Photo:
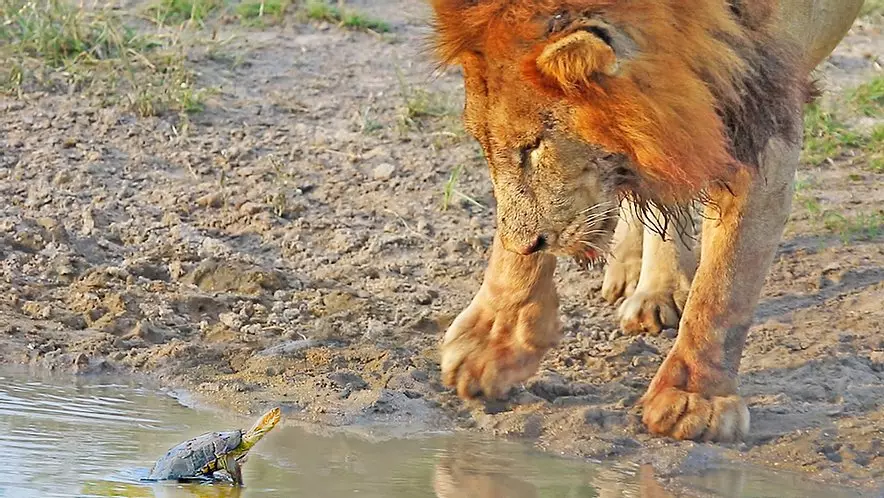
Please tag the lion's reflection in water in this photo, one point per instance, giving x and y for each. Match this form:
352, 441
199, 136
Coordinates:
465, 472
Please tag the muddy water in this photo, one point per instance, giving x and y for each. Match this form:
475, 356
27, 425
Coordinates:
96, 437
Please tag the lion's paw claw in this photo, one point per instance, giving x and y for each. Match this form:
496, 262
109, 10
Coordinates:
484, 354
684, 415
621, 278
650, 312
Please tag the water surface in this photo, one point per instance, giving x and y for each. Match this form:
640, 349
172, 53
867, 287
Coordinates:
90, 437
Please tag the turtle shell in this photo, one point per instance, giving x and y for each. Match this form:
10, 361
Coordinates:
196, 457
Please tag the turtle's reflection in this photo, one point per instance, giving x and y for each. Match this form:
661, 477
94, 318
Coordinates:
160, 490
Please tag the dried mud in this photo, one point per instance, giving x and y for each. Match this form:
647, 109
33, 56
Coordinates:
290, 248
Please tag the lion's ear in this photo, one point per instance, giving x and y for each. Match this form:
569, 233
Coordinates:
575, 59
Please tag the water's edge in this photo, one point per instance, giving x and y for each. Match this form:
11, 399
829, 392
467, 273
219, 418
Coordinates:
687, 469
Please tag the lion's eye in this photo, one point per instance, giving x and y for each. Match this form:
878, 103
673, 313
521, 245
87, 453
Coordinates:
525, 153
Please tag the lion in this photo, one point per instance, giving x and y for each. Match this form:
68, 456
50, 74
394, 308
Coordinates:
602, 123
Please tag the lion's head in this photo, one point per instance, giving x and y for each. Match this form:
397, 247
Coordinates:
579, 102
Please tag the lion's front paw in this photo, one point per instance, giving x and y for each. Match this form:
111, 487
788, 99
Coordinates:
488, 352
683, 415
651, 312
694, 401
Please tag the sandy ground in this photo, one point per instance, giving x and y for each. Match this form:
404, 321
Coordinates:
290, 247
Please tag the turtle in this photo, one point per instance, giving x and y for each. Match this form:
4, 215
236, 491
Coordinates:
199, 459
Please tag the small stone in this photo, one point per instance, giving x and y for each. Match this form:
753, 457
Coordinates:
80, 360
424, 298
249, 208
288, 347
231, 320
252, 329
383, 171
614, 334
37, 310
145, 331
56, 230
213, 200
88, 222
344, 379
176, 269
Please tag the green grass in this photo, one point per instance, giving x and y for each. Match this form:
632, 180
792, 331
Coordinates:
51, 45
876, 147
826, 136
849, 228
450, 191
61, 35
419, 104
863, 226
872, 7
366, 123
850, 128
166, 12
321, 10
259, 11
849, 125
868, 98
450, 187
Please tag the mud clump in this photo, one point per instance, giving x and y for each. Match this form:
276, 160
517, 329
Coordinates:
226, 276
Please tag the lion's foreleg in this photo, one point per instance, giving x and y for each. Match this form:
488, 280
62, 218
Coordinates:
500, 338
694, 394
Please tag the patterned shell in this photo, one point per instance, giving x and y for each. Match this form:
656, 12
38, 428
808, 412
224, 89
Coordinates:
195, 458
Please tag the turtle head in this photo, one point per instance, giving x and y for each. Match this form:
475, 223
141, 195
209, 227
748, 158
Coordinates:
264, 424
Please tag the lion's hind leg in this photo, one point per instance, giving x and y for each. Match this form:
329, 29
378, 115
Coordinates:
624, 265
667, 268
651, 273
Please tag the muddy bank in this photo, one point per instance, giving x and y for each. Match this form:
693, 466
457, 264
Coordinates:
290, 246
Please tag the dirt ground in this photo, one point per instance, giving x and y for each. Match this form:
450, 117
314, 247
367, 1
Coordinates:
290, 246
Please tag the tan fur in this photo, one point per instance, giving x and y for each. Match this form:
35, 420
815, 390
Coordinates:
662, 286
573, 60
555, 116
500, 338
624, 265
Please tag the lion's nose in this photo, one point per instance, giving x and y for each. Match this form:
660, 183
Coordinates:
535, 245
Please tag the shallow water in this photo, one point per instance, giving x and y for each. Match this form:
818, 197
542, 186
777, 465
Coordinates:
64, 436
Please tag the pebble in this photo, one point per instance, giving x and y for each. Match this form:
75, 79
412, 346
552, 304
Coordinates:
213, 200
231, 320
383, 171
249, 208
252, 329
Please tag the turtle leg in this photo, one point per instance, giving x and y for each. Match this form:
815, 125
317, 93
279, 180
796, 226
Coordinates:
232, 467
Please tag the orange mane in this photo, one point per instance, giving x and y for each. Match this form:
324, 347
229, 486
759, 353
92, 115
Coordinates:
664, 109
